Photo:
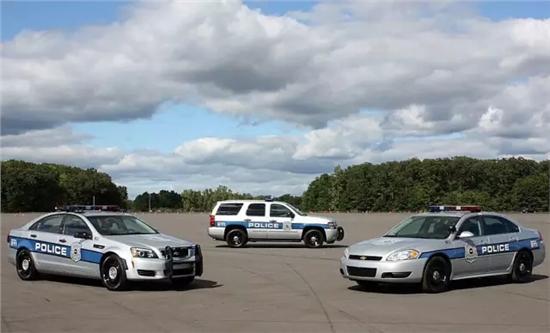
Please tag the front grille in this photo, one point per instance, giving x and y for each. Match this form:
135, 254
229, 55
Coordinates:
177, 252
361, 271
356, 257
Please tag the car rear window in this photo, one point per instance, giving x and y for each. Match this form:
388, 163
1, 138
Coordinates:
229, 209
256, 210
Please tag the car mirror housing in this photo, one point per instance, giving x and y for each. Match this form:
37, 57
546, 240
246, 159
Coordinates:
466, 234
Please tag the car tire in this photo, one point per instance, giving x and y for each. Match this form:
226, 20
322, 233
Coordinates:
236, 238
25, 266
522, 270
437, 275
113, 274
314, 238
182, 282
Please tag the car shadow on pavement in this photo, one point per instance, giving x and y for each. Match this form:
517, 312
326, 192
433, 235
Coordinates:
283, 246
410, 288
163, 285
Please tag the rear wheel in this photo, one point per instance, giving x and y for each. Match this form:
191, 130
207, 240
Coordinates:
314, 238
236, 238
113, 275
437, 274
25, 266
522, 270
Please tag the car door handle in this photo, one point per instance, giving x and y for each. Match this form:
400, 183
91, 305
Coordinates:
247, 220
273, 221
63, 240
513, 239
33, 235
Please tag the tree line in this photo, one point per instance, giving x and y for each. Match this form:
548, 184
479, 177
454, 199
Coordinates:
42, 187
512, 184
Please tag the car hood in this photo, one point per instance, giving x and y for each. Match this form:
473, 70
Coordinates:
383, 246
151, 240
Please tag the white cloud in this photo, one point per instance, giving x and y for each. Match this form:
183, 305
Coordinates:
369, 81
307, 68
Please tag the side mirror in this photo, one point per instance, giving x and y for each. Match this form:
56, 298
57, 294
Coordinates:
291, 215
83, 235
466, 234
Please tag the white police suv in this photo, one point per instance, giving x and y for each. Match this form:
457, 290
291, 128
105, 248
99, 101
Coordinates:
448, 243
111, 246
240, 221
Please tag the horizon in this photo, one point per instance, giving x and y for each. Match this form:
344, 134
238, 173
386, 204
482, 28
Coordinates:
270, 95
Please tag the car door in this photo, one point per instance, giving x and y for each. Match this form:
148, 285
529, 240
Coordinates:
77, 234
281, 217
502, 236
50, 254
474, 262
256, 221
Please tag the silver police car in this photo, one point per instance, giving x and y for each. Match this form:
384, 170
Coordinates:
111, 246
452, 244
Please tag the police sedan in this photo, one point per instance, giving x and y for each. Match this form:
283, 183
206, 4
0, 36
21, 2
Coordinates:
437, 247
110, 246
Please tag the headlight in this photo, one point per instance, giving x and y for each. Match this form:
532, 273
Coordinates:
332, 225
346, 252
403, 255
138, 252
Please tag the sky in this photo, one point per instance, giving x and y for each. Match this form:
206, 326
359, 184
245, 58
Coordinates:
265, 96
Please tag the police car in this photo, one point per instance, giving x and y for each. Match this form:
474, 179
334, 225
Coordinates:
240, 221
111, 246
447, 243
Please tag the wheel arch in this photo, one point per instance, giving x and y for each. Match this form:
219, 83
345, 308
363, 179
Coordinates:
230, 227
313, 227
110, 252
441, 255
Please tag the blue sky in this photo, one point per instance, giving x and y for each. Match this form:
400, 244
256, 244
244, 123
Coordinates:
293, 112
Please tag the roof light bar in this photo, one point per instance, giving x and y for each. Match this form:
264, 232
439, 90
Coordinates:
454, 208
84, 208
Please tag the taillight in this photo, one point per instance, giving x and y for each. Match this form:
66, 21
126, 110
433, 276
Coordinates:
212, 220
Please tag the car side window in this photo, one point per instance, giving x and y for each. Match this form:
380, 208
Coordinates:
74, 224
49, 224
493, 225
256, 210
473, 225
277, 210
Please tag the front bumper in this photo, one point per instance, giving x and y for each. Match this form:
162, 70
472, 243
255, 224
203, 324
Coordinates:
158, 269
405, 271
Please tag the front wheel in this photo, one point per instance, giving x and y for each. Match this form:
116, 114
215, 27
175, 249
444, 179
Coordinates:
113, 275
522, 270
236, 238
437, 275
314, 238
25, 266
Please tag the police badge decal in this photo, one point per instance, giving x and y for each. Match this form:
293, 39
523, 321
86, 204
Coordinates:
471, 253
75, 251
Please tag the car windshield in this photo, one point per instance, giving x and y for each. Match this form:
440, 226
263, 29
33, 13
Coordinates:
429, 227
299, 212
120, 225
